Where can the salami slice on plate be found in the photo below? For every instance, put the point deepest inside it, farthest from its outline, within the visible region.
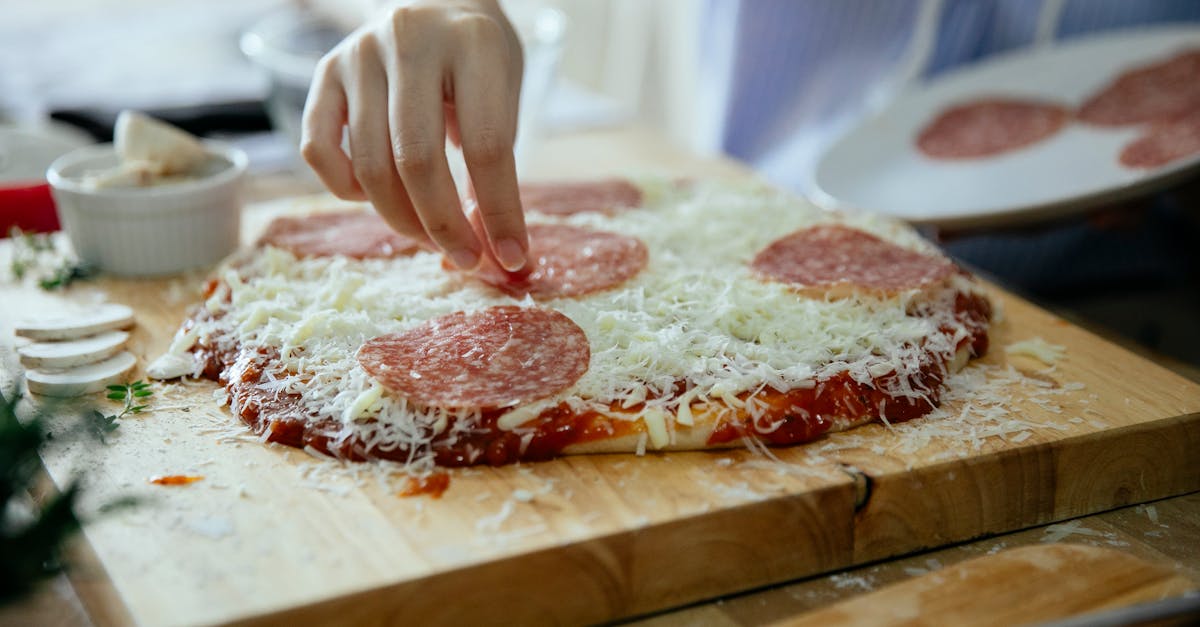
(1150, 93)
(1164, 143)
(989, 127)
(491, 358)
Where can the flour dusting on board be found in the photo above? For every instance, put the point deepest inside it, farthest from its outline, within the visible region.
(1038, 349)
(1074, 531)
(848, 580)
(979, 406)
(980, 409)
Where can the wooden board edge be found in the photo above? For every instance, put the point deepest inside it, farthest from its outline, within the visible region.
(1025, 585)
(617, 575)
(95, 589)
(1006, 491)
(83, 569)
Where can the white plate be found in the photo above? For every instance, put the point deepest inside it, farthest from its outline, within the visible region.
(876, 167)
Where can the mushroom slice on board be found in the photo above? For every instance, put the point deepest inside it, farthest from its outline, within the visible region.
(106, 317)
(82, 379)
(71, 353)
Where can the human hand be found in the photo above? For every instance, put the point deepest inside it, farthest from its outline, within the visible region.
(404, 82)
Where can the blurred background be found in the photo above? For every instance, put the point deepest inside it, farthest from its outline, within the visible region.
(690, 69)
(241, 67)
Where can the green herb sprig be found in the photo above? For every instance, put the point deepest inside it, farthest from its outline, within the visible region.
(131, 394)
(65, 275)
(26, 250)
(35, 252)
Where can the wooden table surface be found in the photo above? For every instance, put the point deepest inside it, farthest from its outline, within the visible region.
(1166, 532)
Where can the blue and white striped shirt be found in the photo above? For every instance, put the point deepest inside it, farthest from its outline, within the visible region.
(786, 76)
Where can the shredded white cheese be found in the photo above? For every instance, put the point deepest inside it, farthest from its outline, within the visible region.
(695, 315)
(1038, 349)
(656, 427)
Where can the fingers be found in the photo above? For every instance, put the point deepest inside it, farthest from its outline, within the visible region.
(373, 166)
(486, 94)
(418, 138)
(490, 261)
(325, 113)
(418, 75)
(452, 124)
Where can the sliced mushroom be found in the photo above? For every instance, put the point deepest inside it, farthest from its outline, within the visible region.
(71, 353)
(82, 379)
(106, 317)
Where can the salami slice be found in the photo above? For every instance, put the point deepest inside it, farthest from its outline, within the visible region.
(571, 261)
(492, 358)
(357, 234)
(834, 255)
(1164, 143)
(1150, 93)
(985, 128)
(560, 199)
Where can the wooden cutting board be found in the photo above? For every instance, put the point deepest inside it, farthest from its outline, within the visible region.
(272, 535)
(1025, 586)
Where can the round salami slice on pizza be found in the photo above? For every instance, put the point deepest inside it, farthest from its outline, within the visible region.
(495, 357)
(568, 261)
(824, 258)
(698, 316)
(357, 234)
(568, 198)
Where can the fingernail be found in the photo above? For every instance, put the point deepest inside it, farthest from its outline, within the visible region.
(464, 258)
(509, 254)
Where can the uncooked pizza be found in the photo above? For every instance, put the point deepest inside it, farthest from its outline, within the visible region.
(659, 315)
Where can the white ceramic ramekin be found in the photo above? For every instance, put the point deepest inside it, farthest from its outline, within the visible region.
(148, 231)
